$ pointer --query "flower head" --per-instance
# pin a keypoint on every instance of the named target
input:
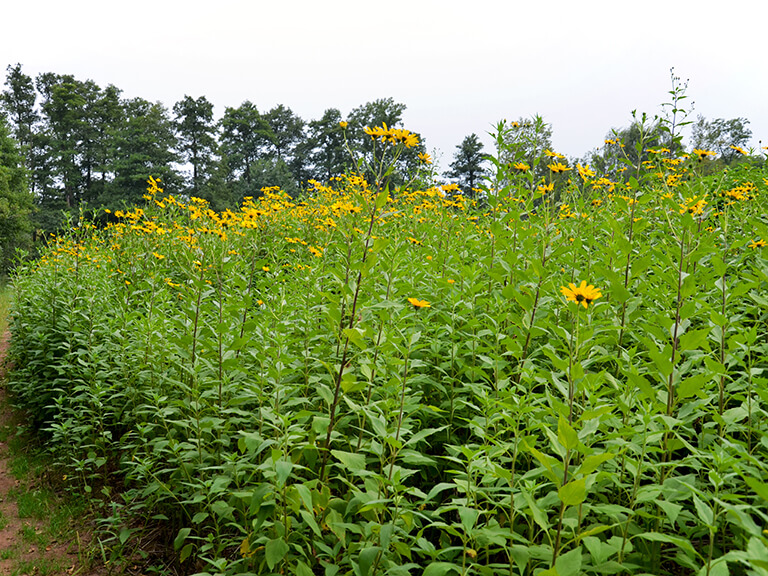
(582, 294)
(703, 153)
(757, 244)
(740, 150)
(558, 167)
(585, 172)
(416, 303)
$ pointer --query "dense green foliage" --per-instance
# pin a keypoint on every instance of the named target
(15, 201)
(391, 381)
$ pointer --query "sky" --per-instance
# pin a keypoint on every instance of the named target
(458, 66)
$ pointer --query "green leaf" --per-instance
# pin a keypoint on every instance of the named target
(693, 386)
(306, 496)
(573, 493)
(704, 511)
(367, 558)
(693, 339)
(275, 551)
(222, 509)
(671, 509)
(761, 488)
(440, 568)
(538, 515)
(356, 337)
(283, 469)
(546, 460)
(718, 567)
(592, 462)
(569, 564)
(661, 358)
(468, 518)
(381, 198)
(186, 552)
(682, 543)
(309, 518)
(350, 461)
(566, 435)
(303, 570)
(642, 384)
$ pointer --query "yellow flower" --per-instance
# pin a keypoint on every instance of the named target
(702, 153)
(558, 167)
(158, 256)
(521, 166)
(582, 294)
(343, 124)
(740, 150)
(426, 158)
(585, 172)
(265, 268)
(757, 244)
(544, 188)
(416, 303)
(551, 154)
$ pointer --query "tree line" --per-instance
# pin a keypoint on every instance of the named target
(68, 144)
(84, 145)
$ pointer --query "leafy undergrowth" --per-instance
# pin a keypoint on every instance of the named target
(375, 381)
(42, 531)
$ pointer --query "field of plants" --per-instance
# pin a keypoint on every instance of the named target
(562, 375)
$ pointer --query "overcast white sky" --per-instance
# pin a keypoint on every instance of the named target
(459, 66)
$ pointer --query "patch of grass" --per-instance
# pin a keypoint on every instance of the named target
(35, 504)
(6, 294)
(33, 536)
(42, 566)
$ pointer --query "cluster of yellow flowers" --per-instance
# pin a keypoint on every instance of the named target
(393, 135)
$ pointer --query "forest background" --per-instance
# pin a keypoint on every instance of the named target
(69, 145)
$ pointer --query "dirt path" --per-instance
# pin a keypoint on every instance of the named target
(30, 543)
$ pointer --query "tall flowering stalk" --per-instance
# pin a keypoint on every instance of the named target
(583, 295)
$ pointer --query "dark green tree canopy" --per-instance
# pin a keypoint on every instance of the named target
(245, 136)
(196, 132)
(144, 146)
(468, 167)
(287, 131)
(327, 153)
(18, 99)
(15, 200)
